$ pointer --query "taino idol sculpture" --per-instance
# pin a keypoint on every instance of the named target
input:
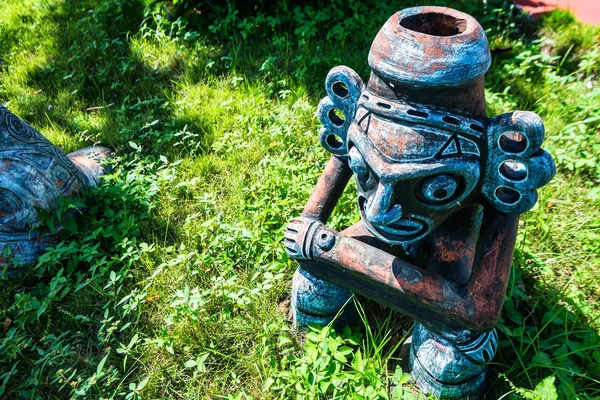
(440, 190)
(33, 175)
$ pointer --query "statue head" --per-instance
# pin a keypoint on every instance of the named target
(415, 138)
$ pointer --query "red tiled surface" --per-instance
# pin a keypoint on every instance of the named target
(587, 11)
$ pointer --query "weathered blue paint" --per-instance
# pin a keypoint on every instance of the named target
(440, 187)
(344, 87)
(33, 175)
(449, 369)
(447, 50)
(393, 151)
(316, 301)
(516, 163)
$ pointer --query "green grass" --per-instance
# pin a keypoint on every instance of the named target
(172, 285)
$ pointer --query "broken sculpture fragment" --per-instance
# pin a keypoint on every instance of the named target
(34, 175)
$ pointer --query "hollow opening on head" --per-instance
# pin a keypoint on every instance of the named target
(487, 356)
(434, 24)
(361, 202)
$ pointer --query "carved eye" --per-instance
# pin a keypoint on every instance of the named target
(357, 163)
(438, 188)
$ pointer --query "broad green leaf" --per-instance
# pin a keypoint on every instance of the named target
(101, 364)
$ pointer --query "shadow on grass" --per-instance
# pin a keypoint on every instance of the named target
(97, 85)
(545, 332)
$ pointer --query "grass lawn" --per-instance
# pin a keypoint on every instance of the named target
(174, 283)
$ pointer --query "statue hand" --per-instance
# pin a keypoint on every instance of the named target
(299, 237)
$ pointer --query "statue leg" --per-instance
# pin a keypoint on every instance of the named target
(449, 368)
(317, 301)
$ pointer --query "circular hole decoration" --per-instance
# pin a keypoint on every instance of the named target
(340, 89)
(513, 142)
(476, 127)
(417, 113)
(507, 195)
(334, 141)
(336, 117)
(326, 241)
(513, 170)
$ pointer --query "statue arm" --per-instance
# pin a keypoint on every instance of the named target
(328, 190)
(330, 186)
(421, 294)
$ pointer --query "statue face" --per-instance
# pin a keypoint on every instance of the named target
(410, 176)
(415, 165)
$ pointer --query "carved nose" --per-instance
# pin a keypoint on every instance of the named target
(379, 210)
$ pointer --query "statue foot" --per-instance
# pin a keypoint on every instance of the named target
(451, 370)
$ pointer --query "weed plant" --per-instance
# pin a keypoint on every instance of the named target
(173, 282)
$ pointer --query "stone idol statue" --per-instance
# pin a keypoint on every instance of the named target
(34, 174)
(440, 190)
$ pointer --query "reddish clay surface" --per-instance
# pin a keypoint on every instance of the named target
(587, 11)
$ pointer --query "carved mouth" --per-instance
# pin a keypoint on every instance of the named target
(404, 226)
(404, 230)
